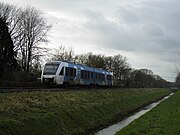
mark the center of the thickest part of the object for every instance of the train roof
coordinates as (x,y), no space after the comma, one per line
(54,62)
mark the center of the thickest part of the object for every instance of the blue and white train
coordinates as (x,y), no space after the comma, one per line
(68,73)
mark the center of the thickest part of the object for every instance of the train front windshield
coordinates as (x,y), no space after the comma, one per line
(50,69)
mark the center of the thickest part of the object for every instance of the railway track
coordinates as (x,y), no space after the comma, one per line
(25,89)
(60,89)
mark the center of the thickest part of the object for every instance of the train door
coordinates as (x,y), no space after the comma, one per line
(60,77)
(106,81)
(78,75)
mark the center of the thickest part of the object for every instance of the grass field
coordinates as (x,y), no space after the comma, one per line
(162,120)
(71,112)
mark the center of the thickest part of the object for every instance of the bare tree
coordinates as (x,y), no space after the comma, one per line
(10,14)
(63,54)
(28,29)
(97,61)
(120,66)
(81,59)
(108,63)
(34,31)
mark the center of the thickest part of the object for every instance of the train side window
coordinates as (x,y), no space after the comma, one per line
(85,74)
(103,77)
(88,75)
(67,71)
(71,71)
(91,75)
(96,76)
(74,72)
(109,77)
(62,71)
(82,74)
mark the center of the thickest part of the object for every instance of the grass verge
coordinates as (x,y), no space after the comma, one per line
(67,113)
(162,120)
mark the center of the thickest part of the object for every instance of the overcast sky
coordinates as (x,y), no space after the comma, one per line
(145,31)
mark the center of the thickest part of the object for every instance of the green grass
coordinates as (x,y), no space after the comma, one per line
(71,112)
(162,120)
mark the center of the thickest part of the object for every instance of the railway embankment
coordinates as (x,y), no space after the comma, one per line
(70,112)
(162,120)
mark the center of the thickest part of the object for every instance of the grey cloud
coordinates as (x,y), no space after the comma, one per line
(145,26)
(153,30)
(126,15)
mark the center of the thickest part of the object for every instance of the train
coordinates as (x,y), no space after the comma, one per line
(65,73)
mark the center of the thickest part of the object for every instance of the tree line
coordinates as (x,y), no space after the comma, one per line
(23,32)
(123,74)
